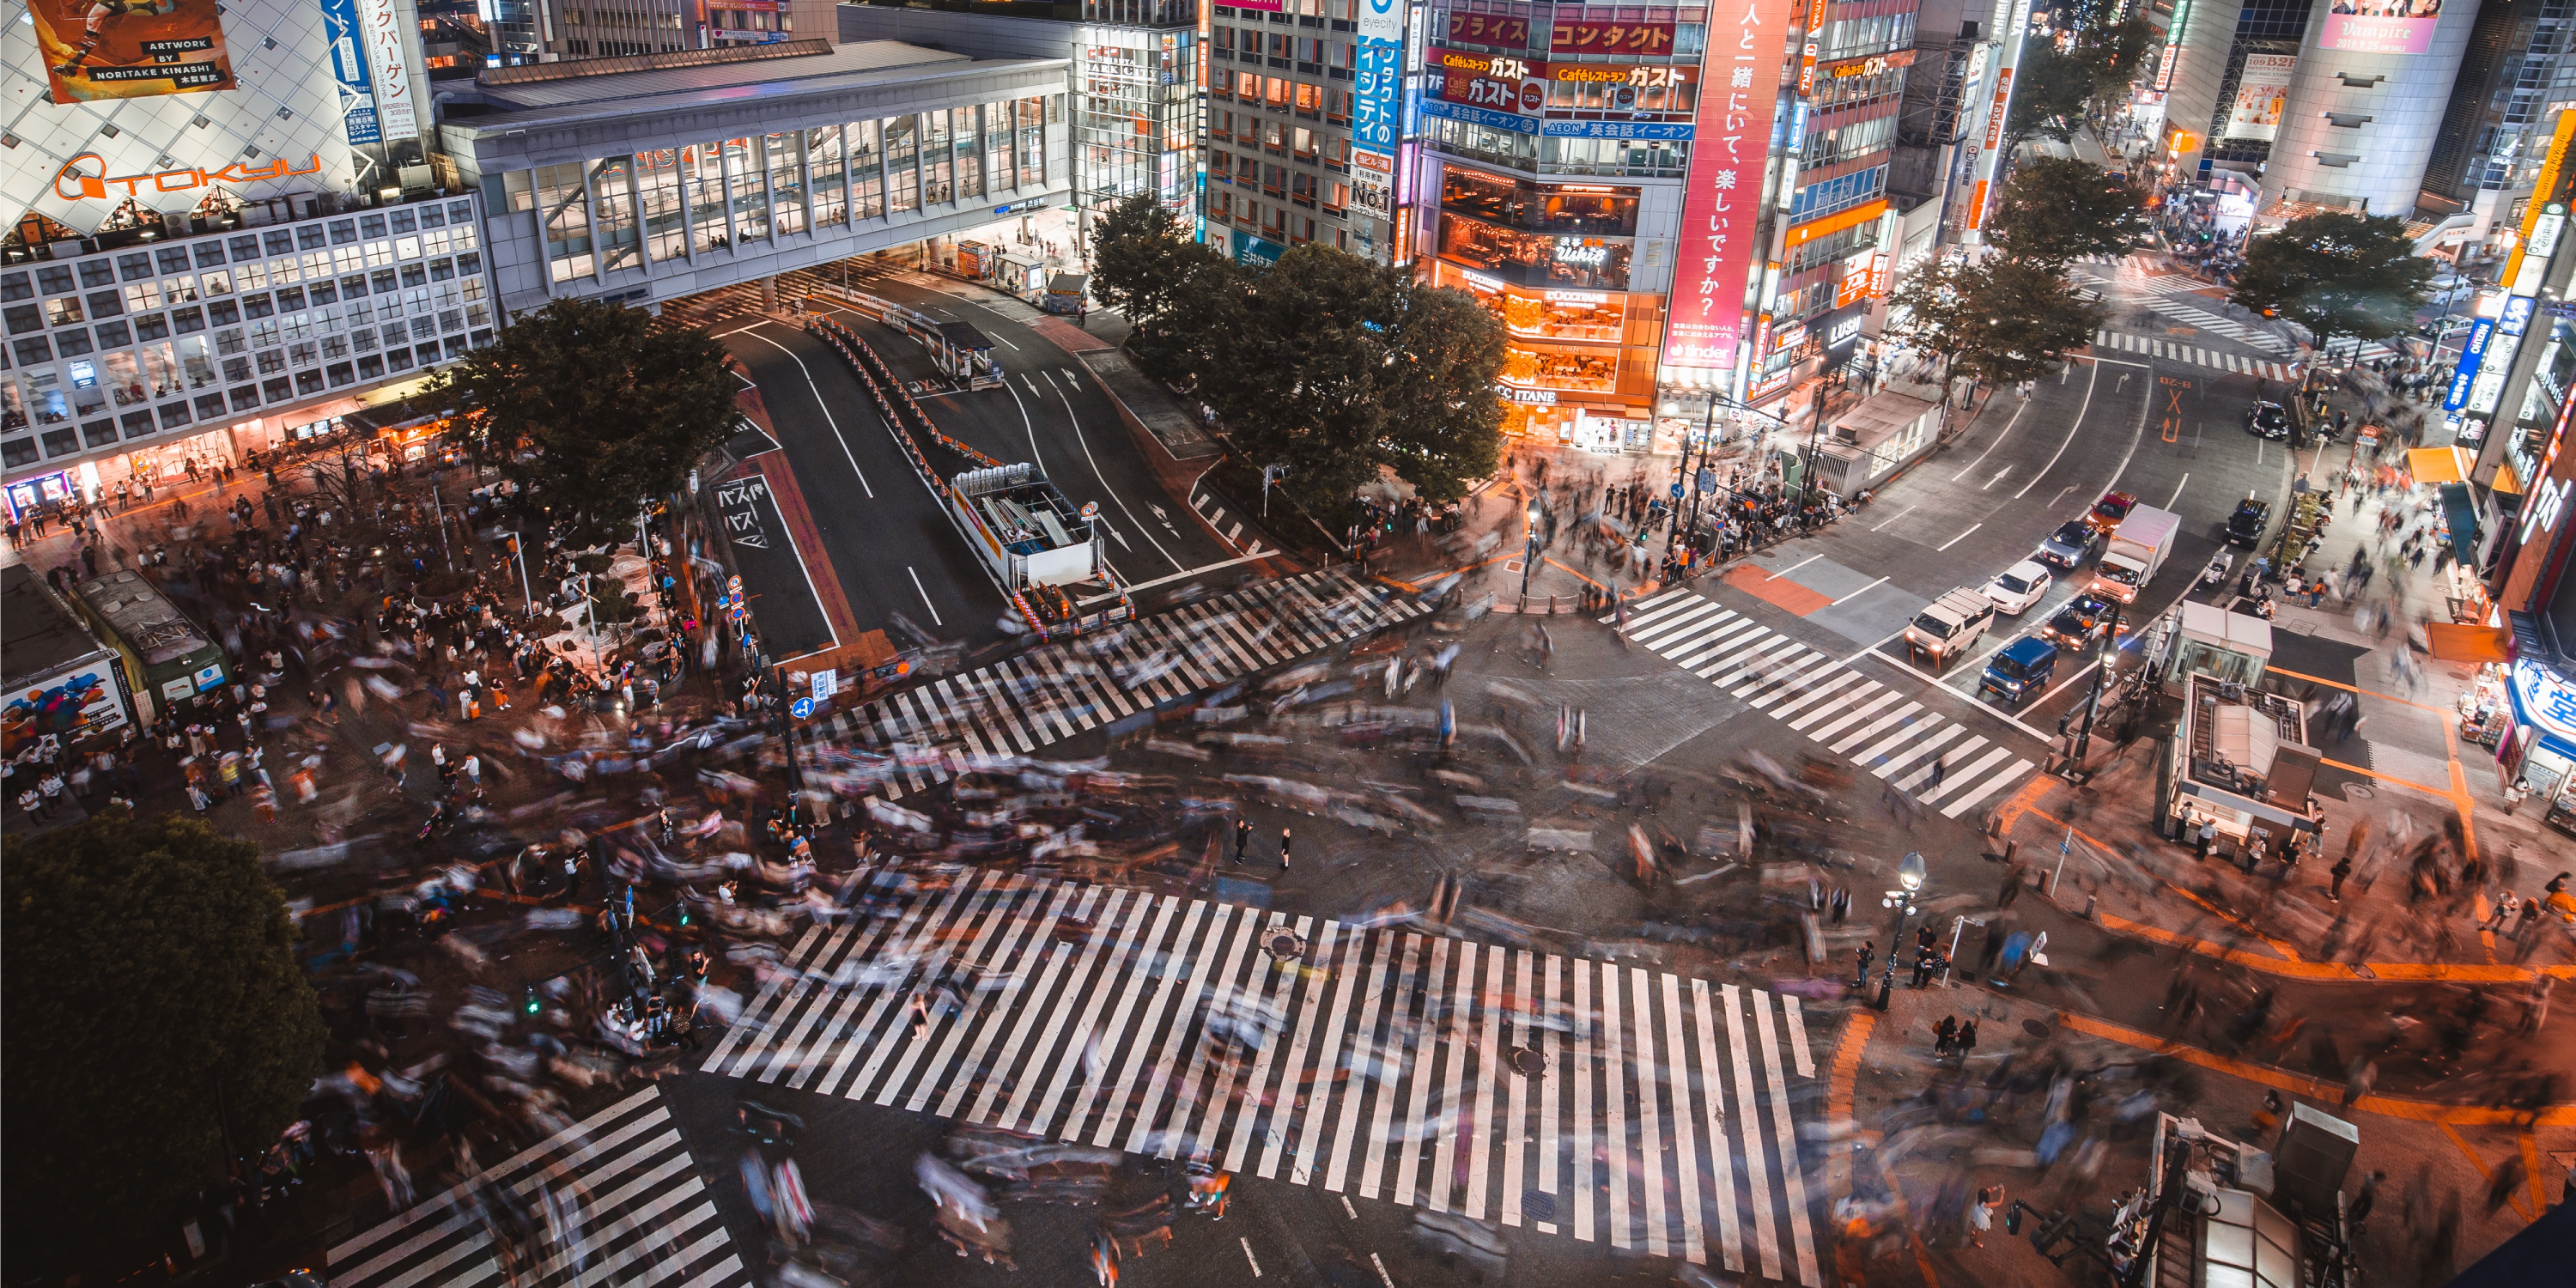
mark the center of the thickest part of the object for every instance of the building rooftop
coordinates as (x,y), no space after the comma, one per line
(36,635)
(628,86)
(136,609)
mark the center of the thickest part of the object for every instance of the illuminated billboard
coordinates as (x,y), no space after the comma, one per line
(105,49)
(1721,203)
(2405,27)
(2261,91)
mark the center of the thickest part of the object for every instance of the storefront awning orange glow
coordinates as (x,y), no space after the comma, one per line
(1831,224)
(2439,464)
(2504,479)
(2452,643)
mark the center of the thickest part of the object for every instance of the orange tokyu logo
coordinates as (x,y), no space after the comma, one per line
(71,185)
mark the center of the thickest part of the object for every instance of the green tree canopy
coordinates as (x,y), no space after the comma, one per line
(2111,48)
(2056,209)
(153,996)
(1137,258)
(1336,366)
(2338,274)
(595,406)
(2004,320)
(2049,93)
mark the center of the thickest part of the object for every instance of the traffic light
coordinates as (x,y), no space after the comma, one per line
(2012,1219)
(528,1003)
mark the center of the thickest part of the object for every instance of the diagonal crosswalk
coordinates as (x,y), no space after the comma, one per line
(615,1199)
(1933,757)
(1052,692)
(1650,1111)
(1213,510)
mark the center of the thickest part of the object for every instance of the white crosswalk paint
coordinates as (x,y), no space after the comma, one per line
(1834,706)
(2127,343)
(1377,1060)
(1053,692)
(638,1214)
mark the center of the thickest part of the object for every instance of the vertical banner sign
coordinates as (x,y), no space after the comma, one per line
(2543,192)
(1373,111)
(103,49)
(380,33)
(1990,156)
(1739,98)
(349,71)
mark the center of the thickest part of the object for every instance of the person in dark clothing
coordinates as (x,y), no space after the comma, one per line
(2358,1210)
(1867,950)
(1242,838)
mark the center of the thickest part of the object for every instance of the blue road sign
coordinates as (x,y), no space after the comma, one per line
(801,708)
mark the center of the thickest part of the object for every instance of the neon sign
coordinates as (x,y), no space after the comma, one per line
(94,187)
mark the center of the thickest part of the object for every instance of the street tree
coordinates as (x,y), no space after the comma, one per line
(159,1025)
(2002,322)
(1142,257)
(2112,49)
(2056,209)
(1336,366)
(2050,91)
(2339,274)
(594,407)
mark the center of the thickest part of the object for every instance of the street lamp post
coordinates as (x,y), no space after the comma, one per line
(2093,701)
(1909,879)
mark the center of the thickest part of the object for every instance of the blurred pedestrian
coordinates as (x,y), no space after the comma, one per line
(1981,1214)
(2357,1211)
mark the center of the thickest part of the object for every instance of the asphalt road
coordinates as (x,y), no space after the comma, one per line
(892,548)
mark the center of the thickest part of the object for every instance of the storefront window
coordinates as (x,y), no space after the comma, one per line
(867,178)
(613,206)
(1584,210)
(703,166)
(786,180)
(1032,143)
(1535,259)
(747,191)
(1572,370)
(938,160)
(823,161)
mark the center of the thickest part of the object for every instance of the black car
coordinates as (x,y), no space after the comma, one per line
(2072,630)
(2268,420)
(2067,547)
(2245,527)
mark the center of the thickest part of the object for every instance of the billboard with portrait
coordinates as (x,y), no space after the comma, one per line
(105,49)
(2381,26)
(2260,93)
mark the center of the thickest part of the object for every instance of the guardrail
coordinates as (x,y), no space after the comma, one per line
(904,418)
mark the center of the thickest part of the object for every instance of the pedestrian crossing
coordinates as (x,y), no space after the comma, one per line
(1246,543)
(1642,1109)
(1055,691)
(613,1199)
(1933,758)
(2122,342)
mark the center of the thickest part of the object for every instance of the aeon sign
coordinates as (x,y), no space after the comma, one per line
(72,185)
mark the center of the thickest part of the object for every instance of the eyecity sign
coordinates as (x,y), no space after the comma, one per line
(84,187)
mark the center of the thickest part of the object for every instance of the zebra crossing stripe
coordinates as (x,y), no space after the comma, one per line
(627,1206)
(1380,1059)
(1050,693)
(1828,703)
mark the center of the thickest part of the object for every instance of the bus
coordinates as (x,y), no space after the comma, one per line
(169,661)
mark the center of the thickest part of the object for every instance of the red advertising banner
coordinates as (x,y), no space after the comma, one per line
(1739,96)
(1600,36)
(103,49)
(1489,29)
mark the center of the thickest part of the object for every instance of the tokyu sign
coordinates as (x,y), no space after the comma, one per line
(72,185)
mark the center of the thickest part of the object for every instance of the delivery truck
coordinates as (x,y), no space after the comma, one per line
(2138,548)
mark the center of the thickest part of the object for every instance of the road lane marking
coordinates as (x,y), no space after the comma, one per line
(2169,501)
(925,597)
(1794,567)
(1898,515)
(2071,431)
(1862,591)
(827,413)
(1990,447)
(1959,538)
(1085,440)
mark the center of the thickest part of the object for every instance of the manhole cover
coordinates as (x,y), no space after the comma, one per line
(1527,1063)
(2034,1028)
(2357,792)
(1285,946)
(1540,1205)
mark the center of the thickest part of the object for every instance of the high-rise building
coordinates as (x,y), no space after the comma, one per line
(1302,97)
(2520,65)
(1134,80)
(2365,101)
(2222,79)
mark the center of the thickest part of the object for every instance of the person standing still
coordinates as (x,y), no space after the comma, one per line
(1867,950)
(1242,839)
(1284,839)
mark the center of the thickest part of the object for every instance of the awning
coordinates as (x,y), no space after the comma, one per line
(2439,464)
(2504,479)
(2462,513)
(2453,643)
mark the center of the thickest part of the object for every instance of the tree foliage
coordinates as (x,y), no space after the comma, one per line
(2050,91)
(595,406)
(1335,366)
(2003,321)
(153,998)
(2056,209)
(2337,274)
(1138,251)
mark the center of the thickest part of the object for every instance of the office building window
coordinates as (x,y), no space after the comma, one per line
(786,180)
(902,146)
(831,201)
(613,214)
(748,189)
(564,212)
(867,172)
(657,191)
(703,166)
